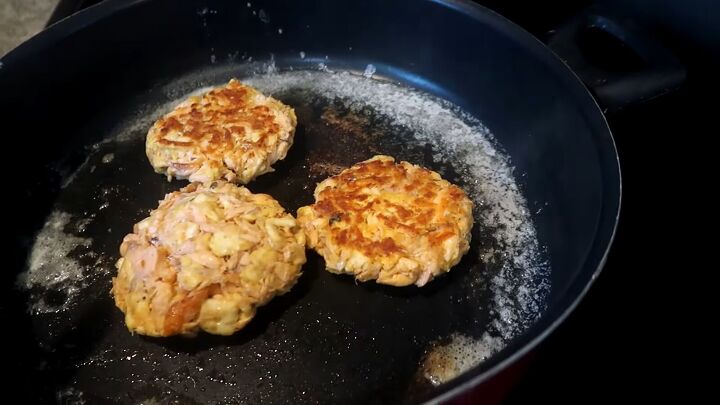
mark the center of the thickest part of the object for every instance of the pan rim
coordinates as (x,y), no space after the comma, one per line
(529,42)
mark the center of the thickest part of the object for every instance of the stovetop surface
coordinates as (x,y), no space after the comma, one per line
(618,339)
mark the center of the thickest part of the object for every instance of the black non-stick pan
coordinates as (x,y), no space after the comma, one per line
(444,84)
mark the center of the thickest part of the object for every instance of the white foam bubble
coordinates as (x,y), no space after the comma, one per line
(447,361)
(51,266)
(369,71)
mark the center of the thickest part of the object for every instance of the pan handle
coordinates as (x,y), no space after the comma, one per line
(619,63)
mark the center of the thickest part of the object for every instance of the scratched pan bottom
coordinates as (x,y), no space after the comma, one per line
(328,340)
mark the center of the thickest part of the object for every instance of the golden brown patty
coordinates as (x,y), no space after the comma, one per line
(232,132)
(206,258)
(397,223)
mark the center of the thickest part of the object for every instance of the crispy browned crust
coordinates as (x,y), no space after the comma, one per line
(395,222)
(232,132)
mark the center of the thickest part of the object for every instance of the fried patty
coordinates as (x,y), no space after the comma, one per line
(206,258)
(232,132)
(396,223)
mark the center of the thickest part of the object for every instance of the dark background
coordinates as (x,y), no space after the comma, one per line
(630,337)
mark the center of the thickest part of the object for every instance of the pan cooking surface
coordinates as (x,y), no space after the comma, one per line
(329,339)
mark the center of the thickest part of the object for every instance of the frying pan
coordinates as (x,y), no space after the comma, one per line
(77,99)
